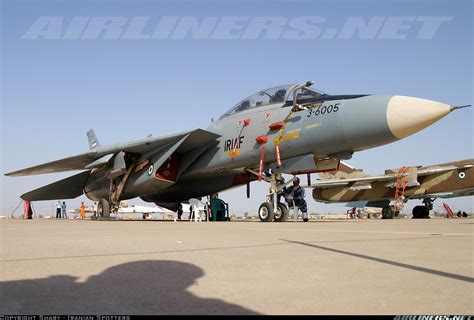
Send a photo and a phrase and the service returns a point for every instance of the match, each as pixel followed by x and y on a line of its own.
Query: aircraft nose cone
pixel 408 115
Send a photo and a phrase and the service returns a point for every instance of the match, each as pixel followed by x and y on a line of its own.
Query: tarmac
pixel 154 267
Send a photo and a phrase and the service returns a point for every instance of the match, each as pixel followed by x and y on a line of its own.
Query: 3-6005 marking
pixel 322 110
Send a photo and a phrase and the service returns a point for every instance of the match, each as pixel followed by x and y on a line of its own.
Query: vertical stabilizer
pixel 93 142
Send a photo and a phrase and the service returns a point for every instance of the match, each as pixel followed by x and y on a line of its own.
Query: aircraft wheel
pixel 421 212
pixel 427 213
pixel 265 212
pixel 103 209
pixel 387 213
pixel 281 214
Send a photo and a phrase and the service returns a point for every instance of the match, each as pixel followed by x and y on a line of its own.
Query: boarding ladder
pixel 402 182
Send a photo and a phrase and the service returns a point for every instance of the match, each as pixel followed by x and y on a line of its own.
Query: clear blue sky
pixel 53 91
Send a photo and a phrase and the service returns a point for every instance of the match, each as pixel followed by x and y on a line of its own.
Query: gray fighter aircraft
pixel 291 129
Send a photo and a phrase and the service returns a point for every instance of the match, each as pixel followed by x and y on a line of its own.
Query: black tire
pixel 387 213
pixel 282 213
pixel 265 212
pixel 426 214
pixel 421 212
pixel 103 209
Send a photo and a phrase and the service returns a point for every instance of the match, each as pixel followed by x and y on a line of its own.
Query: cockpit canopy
pixel 275 95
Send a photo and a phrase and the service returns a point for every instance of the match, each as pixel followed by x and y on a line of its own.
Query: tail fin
pixel 345 171
pixel 93 142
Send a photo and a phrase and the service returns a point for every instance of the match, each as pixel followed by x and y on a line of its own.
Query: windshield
pixel 260 99
pixel 271 96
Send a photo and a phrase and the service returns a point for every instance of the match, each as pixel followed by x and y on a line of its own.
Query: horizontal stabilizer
pixel 68 188
pixel 72 163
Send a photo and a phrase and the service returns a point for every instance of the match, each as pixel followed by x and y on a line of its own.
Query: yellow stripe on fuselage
pixel 287 137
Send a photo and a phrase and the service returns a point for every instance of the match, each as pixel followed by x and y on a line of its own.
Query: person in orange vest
pixel 83 210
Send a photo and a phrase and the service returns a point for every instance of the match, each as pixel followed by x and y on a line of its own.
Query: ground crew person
pixel 83 210
pixel 58 210
pixel 294 195
pixel 63 210
pixel 94 210
pixel 180 211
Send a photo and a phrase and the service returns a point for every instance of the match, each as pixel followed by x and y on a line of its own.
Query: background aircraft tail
pixel 93 141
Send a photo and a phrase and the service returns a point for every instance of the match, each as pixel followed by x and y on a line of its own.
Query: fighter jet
pixel 291 129
pixel 447 180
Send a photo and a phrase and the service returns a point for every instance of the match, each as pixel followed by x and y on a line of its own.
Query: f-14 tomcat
pixel 292 129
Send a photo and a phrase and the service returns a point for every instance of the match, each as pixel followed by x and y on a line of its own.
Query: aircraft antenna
pixel 460 107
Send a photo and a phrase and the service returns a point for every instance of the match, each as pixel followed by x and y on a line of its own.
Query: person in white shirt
pixel 58 210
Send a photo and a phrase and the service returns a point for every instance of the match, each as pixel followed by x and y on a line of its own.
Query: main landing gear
pixel 273 209
pixel 103 209
pixel 423 212
pixel 389 212
pixel 118 176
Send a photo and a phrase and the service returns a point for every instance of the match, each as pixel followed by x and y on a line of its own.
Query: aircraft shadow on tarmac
pixel 141 287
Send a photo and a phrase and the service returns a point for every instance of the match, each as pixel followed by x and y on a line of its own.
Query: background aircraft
pixel 447 180
pixel 289 129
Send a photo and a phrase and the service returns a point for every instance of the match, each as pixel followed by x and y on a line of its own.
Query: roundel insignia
pixel 150 170
pixel 461 175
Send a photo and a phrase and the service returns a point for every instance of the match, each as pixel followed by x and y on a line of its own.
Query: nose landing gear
pixel 273 209
pixel 266 212
pixel 281 213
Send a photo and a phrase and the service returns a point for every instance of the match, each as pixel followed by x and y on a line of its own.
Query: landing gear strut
pixel 116 186
pixel 428 202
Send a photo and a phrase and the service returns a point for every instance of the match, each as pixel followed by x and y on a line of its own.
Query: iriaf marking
pixel 232 144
